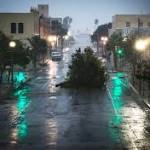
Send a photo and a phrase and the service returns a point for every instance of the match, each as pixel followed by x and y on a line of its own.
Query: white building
pixel 129 24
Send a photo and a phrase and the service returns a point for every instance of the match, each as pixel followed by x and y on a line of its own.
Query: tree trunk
pixel 1 76
pixel 115 60
pixel 34 59
pixel 62 43
pixel 9 75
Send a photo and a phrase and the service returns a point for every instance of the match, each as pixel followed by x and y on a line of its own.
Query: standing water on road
pixel 41 116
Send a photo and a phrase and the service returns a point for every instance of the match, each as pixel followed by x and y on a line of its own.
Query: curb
pixel 136 91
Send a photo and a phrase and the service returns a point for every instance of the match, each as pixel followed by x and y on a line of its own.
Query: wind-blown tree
pixel 130 54
pixel 20 55
pixel 43 49
pixel 39 48
pixel 4 49
pixel 85 71
pixel 116 39
pixel 102 30
pixel 67 22
pixel 61 31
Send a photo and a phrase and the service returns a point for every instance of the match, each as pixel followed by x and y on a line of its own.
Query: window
pixel 20 27
pixel 127 24
pixel 13 27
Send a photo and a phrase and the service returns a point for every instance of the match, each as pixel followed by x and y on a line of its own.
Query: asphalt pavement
pixel 41 116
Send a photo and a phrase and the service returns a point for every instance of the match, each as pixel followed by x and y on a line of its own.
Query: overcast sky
pixel 83 12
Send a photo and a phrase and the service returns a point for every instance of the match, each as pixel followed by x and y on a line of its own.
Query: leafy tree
pixel 85 71
pixel 67 22
pixel 18 55
pixel 102 30
pixel 43 49
pixel 39 48
pixel 60 30
pixel 62 33
pixel 4 49
pixel 116 40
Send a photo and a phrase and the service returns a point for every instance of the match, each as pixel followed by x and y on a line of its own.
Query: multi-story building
pixel 43 10
pixel 54 25
pixel 43 20
pixel 129 24
pixel 20 26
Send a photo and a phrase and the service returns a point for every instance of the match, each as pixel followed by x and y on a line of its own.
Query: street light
pixel 52 40
pixel 104 40
pixel 141 45
pixel 12 44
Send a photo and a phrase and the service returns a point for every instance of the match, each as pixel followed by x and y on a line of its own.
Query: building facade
pixel 129 24
pixel 20 26
pixel 43 10
pixel 53 22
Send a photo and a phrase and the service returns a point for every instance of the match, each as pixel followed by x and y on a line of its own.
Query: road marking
pixel 110 96
pixel 117 114
pixel 134 89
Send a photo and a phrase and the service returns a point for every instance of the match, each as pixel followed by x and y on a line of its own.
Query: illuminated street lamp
pixel 52 39
pixel 104 40
pixel 141 45
pixel 12 44
pixel 66 37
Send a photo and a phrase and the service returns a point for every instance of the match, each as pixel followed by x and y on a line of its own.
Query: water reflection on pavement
pixel 130 115
pixel 41 116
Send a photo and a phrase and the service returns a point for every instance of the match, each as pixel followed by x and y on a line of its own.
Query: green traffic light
pixel 120 51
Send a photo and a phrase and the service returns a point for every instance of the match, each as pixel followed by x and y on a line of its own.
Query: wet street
pixel 41 116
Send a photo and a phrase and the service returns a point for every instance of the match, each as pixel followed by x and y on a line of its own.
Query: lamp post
pixel 104 40
pixel 40 17
pixel 12 44
pixel 141 45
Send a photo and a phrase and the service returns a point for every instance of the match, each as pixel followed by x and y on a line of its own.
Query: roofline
pixel 131 15
pixel 15 12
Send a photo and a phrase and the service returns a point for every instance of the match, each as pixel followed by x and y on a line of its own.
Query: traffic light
pixel 120 52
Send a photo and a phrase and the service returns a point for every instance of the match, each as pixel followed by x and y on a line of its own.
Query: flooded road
pixel 41 116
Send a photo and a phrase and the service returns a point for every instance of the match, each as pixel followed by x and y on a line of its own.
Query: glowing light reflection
pixel 23 102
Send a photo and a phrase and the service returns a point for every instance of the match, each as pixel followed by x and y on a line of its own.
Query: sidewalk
pixel 145 97
pixel 145 92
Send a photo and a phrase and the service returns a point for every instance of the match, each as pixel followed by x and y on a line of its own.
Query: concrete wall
pixel 119 21
pixel 30 21
pixel 43 10
pixel 119 24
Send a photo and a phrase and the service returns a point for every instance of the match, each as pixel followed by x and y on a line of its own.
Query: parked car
pixel 56 55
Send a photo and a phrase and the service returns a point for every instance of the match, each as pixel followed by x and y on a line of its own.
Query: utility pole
pixel 138 26
pixel 12 45
pixel 96 21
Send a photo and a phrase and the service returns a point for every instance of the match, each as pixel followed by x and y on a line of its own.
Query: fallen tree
pixel 85 71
